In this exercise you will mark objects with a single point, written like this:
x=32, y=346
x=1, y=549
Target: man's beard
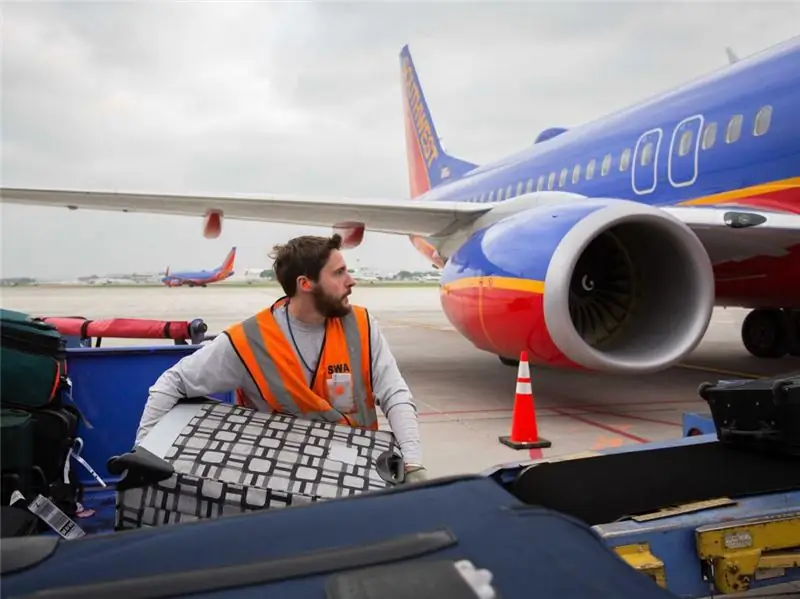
x=328, y=306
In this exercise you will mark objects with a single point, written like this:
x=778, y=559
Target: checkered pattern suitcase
x=209, y=459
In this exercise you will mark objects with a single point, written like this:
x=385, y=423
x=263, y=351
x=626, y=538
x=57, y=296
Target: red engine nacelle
x=212, y=224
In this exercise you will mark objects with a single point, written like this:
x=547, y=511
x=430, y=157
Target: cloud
x=304, y=98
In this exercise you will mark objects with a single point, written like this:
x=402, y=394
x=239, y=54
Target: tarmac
x=464, y=396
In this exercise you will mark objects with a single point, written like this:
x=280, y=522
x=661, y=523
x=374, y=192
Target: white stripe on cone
x=524, y=371
x=524, y=388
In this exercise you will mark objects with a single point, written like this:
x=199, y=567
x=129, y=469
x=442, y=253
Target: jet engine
x=606, y=285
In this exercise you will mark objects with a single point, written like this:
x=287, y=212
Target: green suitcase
x=33, y=361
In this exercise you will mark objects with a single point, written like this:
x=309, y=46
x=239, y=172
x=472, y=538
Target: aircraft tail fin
x=227, y=265
x=428, y=164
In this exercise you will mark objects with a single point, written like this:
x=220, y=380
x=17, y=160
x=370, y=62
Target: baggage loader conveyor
x=698, y=517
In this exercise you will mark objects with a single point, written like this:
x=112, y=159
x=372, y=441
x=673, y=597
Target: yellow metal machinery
x=714, y=547
x=742, y=551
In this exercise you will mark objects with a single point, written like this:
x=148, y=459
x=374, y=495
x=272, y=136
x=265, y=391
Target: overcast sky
x=304, y=98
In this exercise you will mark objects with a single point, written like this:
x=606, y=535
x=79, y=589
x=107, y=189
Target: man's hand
x=415, y=474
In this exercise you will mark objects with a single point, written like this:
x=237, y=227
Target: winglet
x=428, y=164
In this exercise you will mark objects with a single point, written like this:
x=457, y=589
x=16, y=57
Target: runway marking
x=633, y=417
x=536, y=453
x=604, y=442
x=567, y=407
x=611, y=429
x=721, y=371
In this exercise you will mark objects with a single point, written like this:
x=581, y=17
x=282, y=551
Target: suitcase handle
x=139, y=468
x=390, y=468
x=778, y=389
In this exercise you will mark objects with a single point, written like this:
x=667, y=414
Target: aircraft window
x=500, y=195
x=576, y=173
x=763, y=119
x=606, y=165
x=519, y=187
x=590, y=169
x=529, y=186
x=540, y=183
x=508, y=192
x=550, y=180
x=709, y=135
x=625, y=161
x=685, y=144
x=734, y=129
x=491, y=196
x=647, y=153
x=563, y=178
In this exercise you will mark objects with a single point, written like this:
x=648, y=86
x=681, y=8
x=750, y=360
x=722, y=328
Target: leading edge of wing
x=410, y=217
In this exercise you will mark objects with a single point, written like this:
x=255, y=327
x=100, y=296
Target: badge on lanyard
x=340, y=390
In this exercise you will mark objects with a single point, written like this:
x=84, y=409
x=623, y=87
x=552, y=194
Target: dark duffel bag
x=36, y=450
x=417, y=541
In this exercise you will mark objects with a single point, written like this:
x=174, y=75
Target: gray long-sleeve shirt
x=215, y=368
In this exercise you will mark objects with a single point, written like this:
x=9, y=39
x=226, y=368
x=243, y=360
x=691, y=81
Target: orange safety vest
x=277, y=372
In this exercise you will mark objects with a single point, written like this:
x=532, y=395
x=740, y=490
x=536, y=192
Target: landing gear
x=772, y=333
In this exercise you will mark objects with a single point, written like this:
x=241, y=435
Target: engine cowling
x=607, y=285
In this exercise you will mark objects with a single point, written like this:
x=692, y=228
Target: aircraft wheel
x=509, y=361
x=765, y=333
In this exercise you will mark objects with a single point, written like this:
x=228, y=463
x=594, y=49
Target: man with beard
x=311, y=354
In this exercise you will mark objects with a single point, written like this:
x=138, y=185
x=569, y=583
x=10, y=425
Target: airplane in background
x=203, y=277
x=601, y=247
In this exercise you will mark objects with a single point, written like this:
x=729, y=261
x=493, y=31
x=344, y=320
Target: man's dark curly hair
x=303, y=256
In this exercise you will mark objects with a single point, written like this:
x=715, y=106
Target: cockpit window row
x=733, y=132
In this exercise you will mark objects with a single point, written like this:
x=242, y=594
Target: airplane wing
x=728, y=232
x=740, y=232
x=407, y=217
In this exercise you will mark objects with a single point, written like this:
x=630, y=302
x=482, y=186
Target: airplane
x=203, y=277
x=602, y=247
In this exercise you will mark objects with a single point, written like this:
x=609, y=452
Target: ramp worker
x=310, y=354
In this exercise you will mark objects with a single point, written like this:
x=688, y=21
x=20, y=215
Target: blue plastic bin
x=110, y=387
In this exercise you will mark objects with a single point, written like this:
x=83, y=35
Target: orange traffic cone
x=524, y=432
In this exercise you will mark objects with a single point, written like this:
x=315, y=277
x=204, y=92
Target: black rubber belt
x=605, y=488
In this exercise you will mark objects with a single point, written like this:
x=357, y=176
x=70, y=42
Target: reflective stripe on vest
x=279, y=375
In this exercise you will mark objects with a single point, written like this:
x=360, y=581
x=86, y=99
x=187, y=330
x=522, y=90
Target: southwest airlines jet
x=601, y=247
x=203, y=277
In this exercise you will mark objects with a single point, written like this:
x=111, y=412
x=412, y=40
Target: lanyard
x=291, y=334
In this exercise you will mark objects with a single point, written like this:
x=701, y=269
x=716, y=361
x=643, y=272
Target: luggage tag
x=75, y=452
x=340, y=390
x=48, y=512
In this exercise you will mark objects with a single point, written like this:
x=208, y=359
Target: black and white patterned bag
x=210, y=459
